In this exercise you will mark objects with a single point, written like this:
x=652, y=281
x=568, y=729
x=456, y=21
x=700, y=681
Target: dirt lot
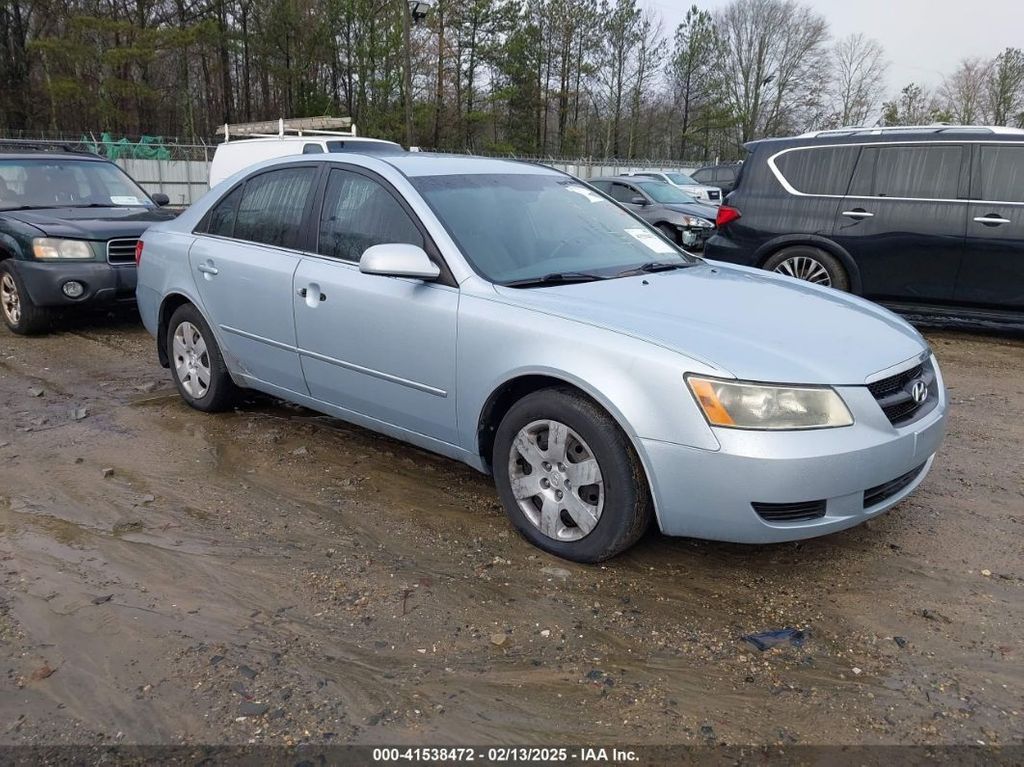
x=274, y=576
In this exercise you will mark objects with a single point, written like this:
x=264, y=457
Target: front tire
x=198, y=368
x=810, y=264
x=20, y=314
x=569, y=478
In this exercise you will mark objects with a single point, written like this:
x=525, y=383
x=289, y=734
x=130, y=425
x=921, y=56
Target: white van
x=251, y=143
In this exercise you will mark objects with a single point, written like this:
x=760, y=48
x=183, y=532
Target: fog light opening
x=73, y=289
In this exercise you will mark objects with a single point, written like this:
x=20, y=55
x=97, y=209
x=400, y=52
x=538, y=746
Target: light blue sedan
x=514, y=318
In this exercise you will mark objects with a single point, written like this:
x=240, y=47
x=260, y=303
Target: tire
x=805, y=262
x=219, y=392
x=615, y=512
x=670, y=232
x=20, y=314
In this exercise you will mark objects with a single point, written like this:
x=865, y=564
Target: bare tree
x=776, y=52
x=915, y=105
x=859, y=70
x=963, y=93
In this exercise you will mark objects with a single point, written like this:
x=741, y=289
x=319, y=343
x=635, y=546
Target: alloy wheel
x=10, y=300
x=805, y=268
x=191, y=360
x=556, y=480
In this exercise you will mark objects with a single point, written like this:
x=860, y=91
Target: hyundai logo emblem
x=919, y=391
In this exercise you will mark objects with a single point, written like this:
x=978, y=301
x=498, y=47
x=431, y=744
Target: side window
x=1002, y=173
x=726, y=175
x=273, y=205
x=703, y=176
x=824, y=170
x=604, y=186
x=312, y=149
x=221, y=218
x=923, y=172
x=622, y=193
x=863, y=182
x=359, y=212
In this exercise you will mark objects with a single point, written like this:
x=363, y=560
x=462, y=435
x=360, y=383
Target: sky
x=923, y=39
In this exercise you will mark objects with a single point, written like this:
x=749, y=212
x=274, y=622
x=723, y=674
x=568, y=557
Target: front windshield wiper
x=555, y=278
x=655, y=266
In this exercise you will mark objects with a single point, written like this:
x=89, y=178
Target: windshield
x=665, y=193
x=516, y=227
x=50, y=183
x=681, y=178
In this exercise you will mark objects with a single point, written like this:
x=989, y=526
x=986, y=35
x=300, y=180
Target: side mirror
x=161, y=199
x=397, y=259
x=638, y=200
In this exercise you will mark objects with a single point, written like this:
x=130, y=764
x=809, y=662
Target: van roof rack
x=299, y=126
x=877, y=130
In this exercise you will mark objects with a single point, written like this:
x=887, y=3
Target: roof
x=48, y=156
x=431, y=164
x=897, y=134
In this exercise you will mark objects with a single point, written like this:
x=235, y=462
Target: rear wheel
x=20, y=314
x=811, y=264
x=199, y=371
x=568, y=477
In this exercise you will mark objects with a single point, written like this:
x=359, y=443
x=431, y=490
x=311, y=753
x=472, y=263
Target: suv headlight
x=695, y=221
x=744, y=405
x=50, y=248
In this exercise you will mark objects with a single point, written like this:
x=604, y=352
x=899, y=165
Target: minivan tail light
x=726, y=215
x=138, y=252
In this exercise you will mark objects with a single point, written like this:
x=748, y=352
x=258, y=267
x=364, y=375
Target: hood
x=752, y=324
x=698, y=209
x=90, y=223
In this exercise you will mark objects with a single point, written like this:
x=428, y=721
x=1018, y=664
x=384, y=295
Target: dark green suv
x=69, y=223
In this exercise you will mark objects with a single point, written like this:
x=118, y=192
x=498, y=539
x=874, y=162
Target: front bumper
x=103, y=282
x=710, y=494
x=694, y=237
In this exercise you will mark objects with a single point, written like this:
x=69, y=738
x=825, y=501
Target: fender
x=776, y=244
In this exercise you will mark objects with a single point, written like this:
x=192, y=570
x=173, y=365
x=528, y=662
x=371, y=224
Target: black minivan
x=920, y=219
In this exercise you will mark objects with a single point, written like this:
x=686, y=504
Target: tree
x=963, y=93
x=915, y=105
x=859, y=70
x=1005, y=88
x=695, y=74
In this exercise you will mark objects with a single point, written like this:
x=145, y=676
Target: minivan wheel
x=810, y=264
x=198, y=367
x=568, y=477
x=20, y=314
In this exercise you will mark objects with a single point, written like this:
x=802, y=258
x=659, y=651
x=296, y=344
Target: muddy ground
x=272, y=576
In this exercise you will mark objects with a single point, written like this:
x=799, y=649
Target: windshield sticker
x=125, y=200
x=590, y=195
x=651, y=240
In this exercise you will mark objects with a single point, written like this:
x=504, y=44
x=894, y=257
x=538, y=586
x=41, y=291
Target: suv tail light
x=726, y=215
x=138, y=252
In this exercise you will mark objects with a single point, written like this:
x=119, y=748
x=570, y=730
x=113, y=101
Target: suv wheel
x=568, y=477
x=199, y=371
x=811, y=264
x=20, y=314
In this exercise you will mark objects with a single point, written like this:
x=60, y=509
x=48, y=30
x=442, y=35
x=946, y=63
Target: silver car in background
x=709, y=195
x=511, y=317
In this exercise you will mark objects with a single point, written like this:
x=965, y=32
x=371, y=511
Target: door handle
x=858, y=214
x=208, y=269
x=992, y=218
x=304, y=293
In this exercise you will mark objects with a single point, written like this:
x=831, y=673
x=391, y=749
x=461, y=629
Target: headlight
x=742, y=405
x=49, y=248
x=692, y=221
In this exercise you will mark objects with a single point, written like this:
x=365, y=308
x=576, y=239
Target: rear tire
x=20, y=314
x=569, y=478
x=814, y=265
x=197, y=366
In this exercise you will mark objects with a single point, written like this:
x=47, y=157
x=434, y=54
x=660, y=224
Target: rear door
x=992, y=274
x=904, y=220
x=243, y=263
x=382, y=347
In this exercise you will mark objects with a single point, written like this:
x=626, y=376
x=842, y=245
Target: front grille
x=802, y=511
x=121, y=251
x=876, y=495
x=895, y=394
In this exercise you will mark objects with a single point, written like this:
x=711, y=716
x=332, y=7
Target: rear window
x=818, y=170
x=1002, y=173
x=917, y=172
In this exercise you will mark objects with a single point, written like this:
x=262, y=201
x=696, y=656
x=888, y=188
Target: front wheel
x=200, y=374
x=20, y=314
x=810, y=264
x=568, y=477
